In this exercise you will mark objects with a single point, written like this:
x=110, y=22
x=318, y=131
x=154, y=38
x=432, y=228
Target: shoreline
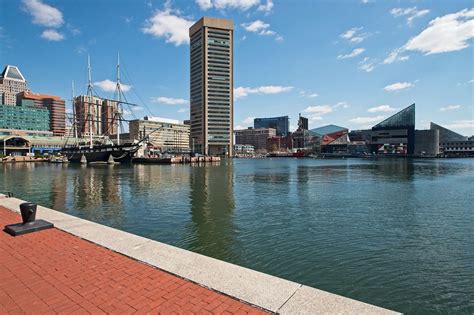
x=255, y=288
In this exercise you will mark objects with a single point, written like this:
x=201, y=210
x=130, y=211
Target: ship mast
x=74, y=121
x=118, y=113
x=89, y=94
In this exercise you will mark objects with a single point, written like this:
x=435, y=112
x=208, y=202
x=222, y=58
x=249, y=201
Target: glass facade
x=281, y=124
x=24, y=117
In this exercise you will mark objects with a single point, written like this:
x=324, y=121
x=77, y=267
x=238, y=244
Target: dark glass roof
x=328, y=129
x=404, y=118
x=446, y=135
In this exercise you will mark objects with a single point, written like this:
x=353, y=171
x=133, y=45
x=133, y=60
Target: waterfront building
x=211, y=86
x=12, y=82
x=55, y=106
x=95, y=116
x=255, y=137
x=20, y=142
x=332, y=139
x=167, y=135
x=24, y=116
x=396, y=134
x=281, y=124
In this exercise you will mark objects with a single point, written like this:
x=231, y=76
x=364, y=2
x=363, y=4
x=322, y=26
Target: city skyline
x=345, y=68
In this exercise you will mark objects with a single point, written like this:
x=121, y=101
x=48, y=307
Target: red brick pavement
x=52, y=272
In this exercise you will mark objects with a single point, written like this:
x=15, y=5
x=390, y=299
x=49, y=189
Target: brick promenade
x=52, y=272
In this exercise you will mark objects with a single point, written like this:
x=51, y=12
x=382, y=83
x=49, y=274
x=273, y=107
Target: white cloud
x=255, y=26
x=136, y=108
x=227, y=4
x=471, y=81
x=43, y=14
x=52, y=35
x=450, y=107
x=261, y=28
x=395, y=56
x=410, y=13
x=169, y=100
x=319, y=109
x=313, y=95
x=248, y=120
x=366, y=120
x=398, y=86
x=268, y=89
x=444, y=34
x=447, y=33
x=367, y=65
x=354, y=35
x=341, y=104
x=164, y=24
x=183, y=110
x=266, y=7
x=353, y=54
x=110, y=86
x=382, y=108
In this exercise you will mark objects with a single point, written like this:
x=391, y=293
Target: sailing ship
x=97, y=119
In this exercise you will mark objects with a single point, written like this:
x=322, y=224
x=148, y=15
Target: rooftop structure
x=446, y=135
x=12, y=82
x=404, y=118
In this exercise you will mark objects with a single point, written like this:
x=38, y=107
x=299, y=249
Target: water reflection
x=211, y=231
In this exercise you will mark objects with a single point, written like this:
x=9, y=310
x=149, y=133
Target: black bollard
x=29, y=224
x=28, y=212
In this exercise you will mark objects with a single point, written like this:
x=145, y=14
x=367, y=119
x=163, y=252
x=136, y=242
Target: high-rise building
x=54, y=104
x=281, y=124
x=211, y=88
x=95, y=116
x=12, y=82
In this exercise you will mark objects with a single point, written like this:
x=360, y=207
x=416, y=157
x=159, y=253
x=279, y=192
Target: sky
x=346, y=62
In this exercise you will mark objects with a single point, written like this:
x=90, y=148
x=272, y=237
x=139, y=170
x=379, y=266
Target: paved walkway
x=52, y=271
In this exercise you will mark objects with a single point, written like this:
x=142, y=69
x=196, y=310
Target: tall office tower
x=12, y=82
x=211, y=91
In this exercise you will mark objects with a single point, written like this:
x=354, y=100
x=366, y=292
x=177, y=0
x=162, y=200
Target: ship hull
x=120, y=154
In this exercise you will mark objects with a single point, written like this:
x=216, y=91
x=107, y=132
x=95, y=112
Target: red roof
x=38, y=96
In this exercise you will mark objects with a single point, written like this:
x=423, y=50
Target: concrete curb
x=262, y=290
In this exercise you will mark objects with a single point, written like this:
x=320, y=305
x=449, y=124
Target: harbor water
x=397, y=233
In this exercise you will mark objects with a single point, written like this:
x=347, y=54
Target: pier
x=81, y=266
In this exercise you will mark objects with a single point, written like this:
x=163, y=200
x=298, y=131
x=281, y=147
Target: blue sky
x=347, y=62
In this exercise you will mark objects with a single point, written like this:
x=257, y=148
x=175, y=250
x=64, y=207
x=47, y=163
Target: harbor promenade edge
x=155, y=277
